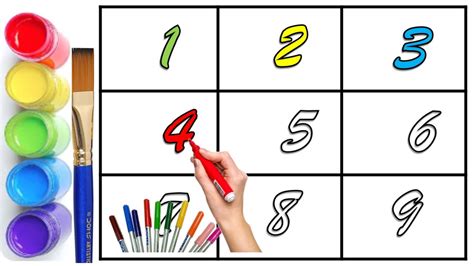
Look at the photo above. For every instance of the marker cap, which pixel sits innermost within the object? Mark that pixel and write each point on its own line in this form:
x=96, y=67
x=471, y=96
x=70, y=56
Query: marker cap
x=136, y=223
x=196, y=223
x=128, y=218
x=169, y=214
x=147, y=213
x=182, y=214
x=157, y=215
x=200, y=240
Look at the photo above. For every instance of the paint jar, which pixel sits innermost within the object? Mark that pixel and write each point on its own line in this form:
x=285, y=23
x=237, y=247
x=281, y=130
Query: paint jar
x=36, y=86
x=37, y=182
x=37, y=231
x=34, y=38
x=35, y=134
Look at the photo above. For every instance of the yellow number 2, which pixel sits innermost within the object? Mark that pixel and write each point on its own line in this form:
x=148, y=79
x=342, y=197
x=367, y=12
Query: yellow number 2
x=281, y=59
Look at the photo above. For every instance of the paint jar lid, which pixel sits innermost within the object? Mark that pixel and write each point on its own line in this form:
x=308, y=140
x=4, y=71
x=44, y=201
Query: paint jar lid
x=30, y=36
x=32, y=183
x=31, y=134
x=33, y=233
x=29, y=83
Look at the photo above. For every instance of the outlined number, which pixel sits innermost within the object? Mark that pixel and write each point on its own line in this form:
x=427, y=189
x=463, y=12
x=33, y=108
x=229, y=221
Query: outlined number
x=406, y=208
x=281, y=58
x=185, y=134
x=172, y=35
x=423, y=128
x=282, y=204
x=299, y=125
x=414, y=46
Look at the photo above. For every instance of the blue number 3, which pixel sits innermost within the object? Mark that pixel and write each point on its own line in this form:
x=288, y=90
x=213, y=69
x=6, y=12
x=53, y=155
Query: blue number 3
x=414, y=46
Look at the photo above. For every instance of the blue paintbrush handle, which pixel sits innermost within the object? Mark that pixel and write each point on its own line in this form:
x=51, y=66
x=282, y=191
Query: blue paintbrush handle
x=83, y=212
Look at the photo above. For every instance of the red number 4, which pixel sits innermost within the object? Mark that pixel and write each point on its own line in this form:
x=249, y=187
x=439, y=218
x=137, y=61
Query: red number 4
x=185, y=134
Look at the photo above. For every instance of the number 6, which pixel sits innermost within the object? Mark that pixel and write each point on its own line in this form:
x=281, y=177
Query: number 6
x=421, y=127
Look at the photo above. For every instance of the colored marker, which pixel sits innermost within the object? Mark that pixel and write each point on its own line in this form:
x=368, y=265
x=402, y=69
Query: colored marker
x=169, y=213
x=118, y=233
x=212, y=238
x=131, y=230
x=138, y=231
x=179, y=225
x=191, y=231
x=147, y=225
x=219, y=182
x=156, y=246
x=200, y=240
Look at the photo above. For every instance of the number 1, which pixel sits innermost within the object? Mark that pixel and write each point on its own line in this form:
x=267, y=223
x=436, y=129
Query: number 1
x=173, y=35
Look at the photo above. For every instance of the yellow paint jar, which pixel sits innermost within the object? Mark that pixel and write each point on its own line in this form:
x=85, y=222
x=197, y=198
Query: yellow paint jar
x=36, y=86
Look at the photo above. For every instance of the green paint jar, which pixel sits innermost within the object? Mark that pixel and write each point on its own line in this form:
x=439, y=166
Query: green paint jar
x=35, y=134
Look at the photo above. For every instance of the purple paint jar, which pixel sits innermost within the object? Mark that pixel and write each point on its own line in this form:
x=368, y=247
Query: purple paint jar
x=37, y=231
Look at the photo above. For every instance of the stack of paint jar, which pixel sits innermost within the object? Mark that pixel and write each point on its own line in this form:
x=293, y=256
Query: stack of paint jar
x=38, y=135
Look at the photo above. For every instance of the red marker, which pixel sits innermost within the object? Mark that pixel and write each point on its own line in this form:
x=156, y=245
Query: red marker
x=147, y=225
x=221, y=184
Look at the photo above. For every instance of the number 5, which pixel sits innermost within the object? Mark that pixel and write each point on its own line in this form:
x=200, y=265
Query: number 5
x=298, y=125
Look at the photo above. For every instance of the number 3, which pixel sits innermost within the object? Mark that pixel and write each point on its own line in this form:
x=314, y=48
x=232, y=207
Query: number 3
x=298, y=125
x=414, y=46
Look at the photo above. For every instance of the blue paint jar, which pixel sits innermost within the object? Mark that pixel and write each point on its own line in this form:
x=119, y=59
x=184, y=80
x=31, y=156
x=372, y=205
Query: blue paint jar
x=37, y=182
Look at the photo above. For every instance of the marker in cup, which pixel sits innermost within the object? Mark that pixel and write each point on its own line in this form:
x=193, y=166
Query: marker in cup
x=131, y=230
x=147, y=225
x=200, y=240
x=156, y=226
x=179, y=225
x=191, y=231
x=169, y=215
x=138, y=231
x=212, y=238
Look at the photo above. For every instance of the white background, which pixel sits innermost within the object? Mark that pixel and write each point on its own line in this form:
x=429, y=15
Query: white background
x=148, y=153
x=249, y=45
x=437, y=231
x=79, y=21
x=371, y=45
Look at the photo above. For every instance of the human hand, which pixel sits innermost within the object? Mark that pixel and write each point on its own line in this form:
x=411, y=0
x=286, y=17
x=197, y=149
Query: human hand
x=229, y=216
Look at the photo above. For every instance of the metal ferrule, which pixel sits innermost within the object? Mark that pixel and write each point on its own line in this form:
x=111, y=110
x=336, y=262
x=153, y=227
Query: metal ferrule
x=156, y=244
x=174, y=239
x=82, y=119
x=133, y=241
x=193, y=248
x=123, y=246
x=148, y=239
x=165, y=240
x=185, y=244
x=199, y=249
x=140, y=244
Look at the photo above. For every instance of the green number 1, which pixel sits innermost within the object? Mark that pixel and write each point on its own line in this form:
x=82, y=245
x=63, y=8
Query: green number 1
x=173, y=35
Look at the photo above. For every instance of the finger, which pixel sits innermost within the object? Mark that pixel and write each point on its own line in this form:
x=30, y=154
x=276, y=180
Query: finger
x=223, y=158
x=203, y=179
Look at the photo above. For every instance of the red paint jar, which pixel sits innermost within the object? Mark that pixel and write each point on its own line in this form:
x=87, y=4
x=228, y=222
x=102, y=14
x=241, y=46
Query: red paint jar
x=34, y=38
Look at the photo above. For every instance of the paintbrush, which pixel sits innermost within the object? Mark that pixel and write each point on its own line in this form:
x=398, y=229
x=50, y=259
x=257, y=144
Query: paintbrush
x=82, y=113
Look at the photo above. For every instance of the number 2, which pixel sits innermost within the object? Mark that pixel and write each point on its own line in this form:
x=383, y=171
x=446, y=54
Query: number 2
x=281, y=59
x=414, y=46
x=298, y=125
x=173, y=35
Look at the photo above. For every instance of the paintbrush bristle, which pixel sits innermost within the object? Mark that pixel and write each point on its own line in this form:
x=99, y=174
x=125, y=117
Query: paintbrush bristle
x=82, y=69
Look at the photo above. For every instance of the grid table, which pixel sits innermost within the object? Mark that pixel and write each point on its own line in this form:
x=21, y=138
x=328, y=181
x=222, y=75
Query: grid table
x=366, y=108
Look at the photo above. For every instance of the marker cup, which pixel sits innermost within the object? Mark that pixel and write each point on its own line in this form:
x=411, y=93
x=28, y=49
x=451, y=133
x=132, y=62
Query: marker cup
x=34, y=38
x=37, y=231
x=35, y=134
x=37, y=182
x=36, y=86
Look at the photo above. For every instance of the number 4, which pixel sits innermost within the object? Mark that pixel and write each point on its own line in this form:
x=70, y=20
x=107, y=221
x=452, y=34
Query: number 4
x=299, y=125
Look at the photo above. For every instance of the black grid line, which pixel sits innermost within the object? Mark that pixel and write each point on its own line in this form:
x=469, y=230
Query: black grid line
x=341, y=90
